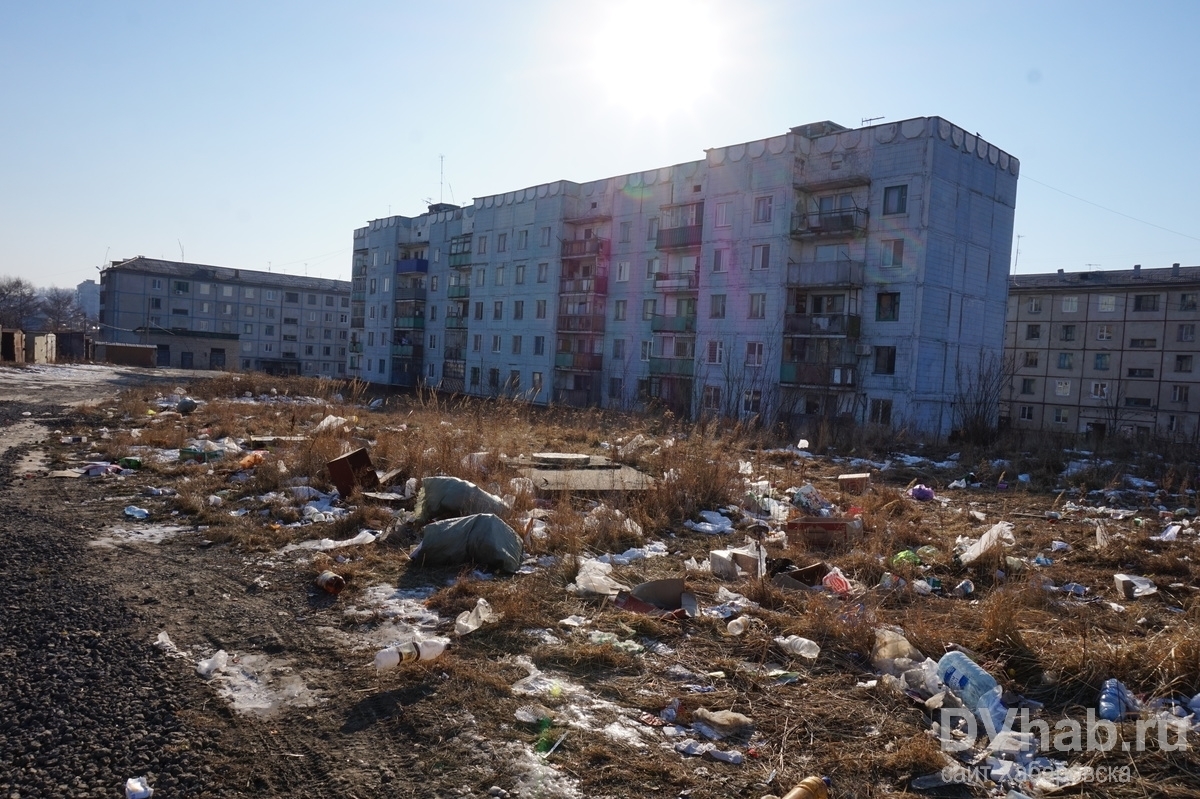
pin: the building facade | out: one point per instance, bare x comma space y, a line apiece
87, 296
212, 317
1105, 352
824, 273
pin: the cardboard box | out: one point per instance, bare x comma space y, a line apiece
353, 470
854, 483
824, 532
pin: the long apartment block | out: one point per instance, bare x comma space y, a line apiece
827, 272
1105, 352
213, 317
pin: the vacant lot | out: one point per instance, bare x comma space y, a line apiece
564, 693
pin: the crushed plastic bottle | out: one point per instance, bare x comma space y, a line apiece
424, 649
1116, 702
795, 645
471, 620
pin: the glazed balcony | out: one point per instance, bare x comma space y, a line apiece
409, 351
816, 374
818, 274
409, 266
849, 325
673, 324
410, 293
673, 367
456, 323
356, 346
409, 323
579, 361
581, 323
454, 354
676, 281
460, 292
574, 397
584, 248
677, 238
596, 284
844, 222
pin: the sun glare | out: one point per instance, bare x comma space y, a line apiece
655, 58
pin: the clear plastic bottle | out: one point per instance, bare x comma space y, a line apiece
795, 645
424, 649
1115, 701
965, 678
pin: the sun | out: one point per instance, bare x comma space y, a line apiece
656, 58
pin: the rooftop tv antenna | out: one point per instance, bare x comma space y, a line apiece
868, 120
441, 176
1017, 258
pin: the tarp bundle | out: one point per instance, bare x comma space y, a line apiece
482, 539
451, 496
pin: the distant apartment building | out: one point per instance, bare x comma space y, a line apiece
1105, 352
87, 297
824, 273
213, 317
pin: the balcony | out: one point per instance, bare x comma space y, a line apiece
816, 374
675, 238
583, 248
358, 322
574, 397
409, 323
676, 281
413, 351
673, 324
596, 284
832, 325
458, 292
673, 367
404, 379
456, 323
579, 361
845, 222
410, 293
358, 296
454, 354
407, 266
356, 346
826, 273
582, 323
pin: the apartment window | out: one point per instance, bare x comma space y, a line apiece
885, 360
291, 296
543, 271
616, 388
1061, 415
754, 353
1138, 402
226, 291
372, 284
268, 330
648, 307
475, 376
522, 239
481, 244
1106, 303
712, 398
539, 345
1186, 333
758, 306
1062, 388
476, 342
540, 309
1031, 360
1139, 372
183, 287
179, 312
516, 345
498, 309
1179, 393
326, 351
501, 242
647, 349
495, 343
432, 341
480, 276
619, 310
1104, 332
721, 218
651, 268
493, 379
370, 341
652, 229
227, 309
1027, 385
762, 208
206, 288
760, 256
1102, 362
618, 349
1066, 333
156, 284
715, 352
719, 259
156, 303
1035, 305
520, 275
545, 237
500, 276
432, 312
370, 313
1187, 302
1026, 413
716, 306
535, 379
626, 231
1066, 360
622, 271
1143, 343
1070, 304
887, 306
1099, 389
309, 349
268, 347
893, 252
248, 310
881, 411
479, 310
752, 401
1183, 363
895, 200
518, 309
433, 283
1145, 302
1033, 332
343, 319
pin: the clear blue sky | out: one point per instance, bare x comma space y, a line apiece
256, 133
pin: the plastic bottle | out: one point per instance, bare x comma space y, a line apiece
809, 788
425, 649
1115, 701
978, 690
795, 645
736, 626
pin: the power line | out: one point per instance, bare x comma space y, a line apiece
1110, 210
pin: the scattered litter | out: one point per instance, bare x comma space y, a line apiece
482, 539
134, 512
471, 620
1133, 587
713, 524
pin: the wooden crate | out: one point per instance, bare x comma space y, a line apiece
824, 532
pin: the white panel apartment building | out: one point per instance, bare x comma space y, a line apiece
826, 272
213, 317
1106, 352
